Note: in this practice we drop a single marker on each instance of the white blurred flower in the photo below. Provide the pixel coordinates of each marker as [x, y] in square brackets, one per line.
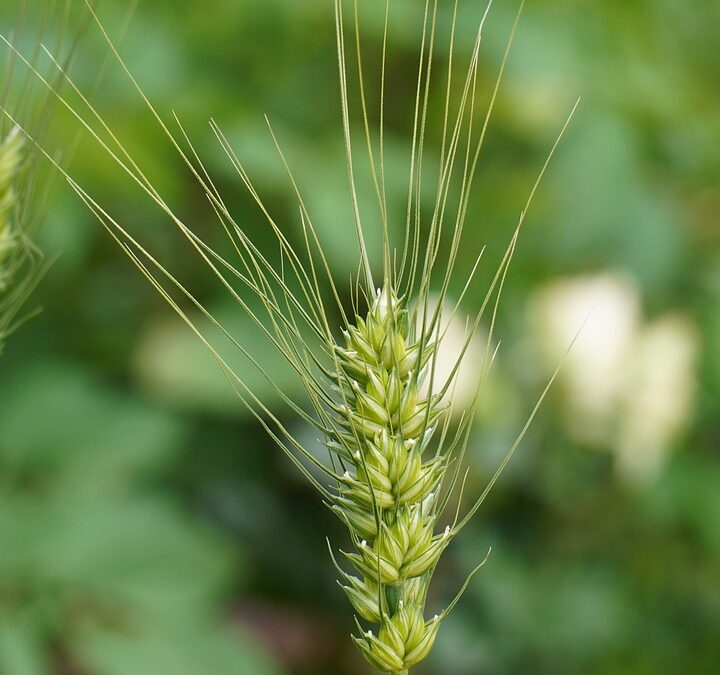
[627, 387]
[594, 377]
[660, 398]
[467, 378]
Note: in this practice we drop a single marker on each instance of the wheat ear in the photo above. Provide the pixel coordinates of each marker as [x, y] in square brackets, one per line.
[388, 495]
[24, 187]
[11, 154]
[14, 285]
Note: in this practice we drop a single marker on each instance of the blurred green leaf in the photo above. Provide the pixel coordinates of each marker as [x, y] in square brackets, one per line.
[119, 577]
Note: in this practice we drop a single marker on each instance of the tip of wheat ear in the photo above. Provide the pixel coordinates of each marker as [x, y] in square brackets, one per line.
[387, 495]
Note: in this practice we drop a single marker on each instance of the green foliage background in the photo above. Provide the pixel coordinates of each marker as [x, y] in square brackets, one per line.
[147, 525]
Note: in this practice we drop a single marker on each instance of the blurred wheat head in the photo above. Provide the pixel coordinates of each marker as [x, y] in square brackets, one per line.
[18, 268]
[20, 263]
[394, 472]
[10, 160]
[29, 105]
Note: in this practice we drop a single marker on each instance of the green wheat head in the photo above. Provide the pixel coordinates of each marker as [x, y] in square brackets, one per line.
[388, 494]
[17, 273]
[28, 102]
[11, 155]
[394, 458]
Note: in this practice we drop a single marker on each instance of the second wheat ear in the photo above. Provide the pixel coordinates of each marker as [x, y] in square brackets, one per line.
[370, 384]
[11, 156]
[17, 276]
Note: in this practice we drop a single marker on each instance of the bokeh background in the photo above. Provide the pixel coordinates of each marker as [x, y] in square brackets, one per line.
[147, 524]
